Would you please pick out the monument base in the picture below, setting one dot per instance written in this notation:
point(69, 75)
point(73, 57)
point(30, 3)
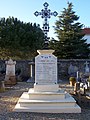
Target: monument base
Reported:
point(45, 87)
point(10, 80)
point(47, 102)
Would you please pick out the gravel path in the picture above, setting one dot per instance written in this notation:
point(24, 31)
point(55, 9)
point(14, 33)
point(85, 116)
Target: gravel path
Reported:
point(9, 98)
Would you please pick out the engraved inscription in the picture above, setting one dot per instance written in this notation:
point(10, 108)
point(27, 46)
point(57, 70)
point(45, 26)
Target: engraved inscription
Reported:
point(46, 69)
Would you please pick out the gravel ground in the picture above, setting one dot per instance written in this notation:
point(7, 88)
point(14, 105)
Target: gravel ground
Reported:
point(9, 98)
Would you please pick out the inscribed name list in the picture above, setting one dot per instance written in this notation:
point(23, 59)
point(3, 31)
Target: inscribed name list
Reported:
point(45, 69)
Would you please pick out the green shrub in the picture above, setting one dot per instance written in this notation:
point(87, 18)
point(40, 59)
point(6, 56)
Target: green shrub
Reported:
point(72, 79)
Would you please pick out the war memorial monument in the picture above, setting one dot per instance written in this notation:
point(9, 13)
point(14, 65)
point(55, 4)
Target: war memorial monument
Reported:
point(46, 96)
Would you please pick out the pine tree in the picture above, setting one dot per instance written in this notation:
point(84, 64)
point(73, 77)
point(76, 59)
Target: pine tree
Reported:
point(71, 44)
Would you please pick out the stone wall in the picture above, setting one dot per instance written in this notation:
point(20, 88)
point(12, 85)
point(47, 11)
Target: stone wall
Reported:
point(64, 70)
point(22, 68)
point(77, 65)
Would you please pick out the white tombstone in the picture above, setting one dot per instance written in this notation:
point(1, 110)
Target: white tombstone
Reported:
point(10, 72)
point(10, 67)
point(45, 71)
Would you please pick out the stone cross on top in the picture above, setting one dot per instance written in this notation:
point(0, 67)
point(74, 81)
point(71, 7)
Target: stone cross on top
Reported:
point(46, 13)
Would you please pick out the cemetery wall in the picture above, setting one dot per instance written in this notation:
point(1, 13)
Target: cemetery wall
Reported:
point(66, 67)
point(65, 70)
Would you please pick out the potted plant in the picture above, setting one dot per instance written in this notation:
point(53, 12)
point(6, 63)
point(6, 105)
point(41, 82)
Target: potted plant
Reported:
point(72, 81)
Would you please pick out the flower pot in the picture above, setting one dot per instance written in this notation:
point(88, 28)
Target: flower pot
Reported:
point(72, 83)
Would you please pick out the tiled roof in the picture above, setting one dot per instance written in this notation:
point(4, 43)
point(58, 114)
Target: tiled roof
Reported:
point(86, 31)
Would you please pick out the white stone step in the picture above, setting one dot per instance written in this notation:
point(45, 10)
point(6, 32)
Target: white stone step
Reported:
point(75, 109)
point(24, 101)
point(46, 95)
point(67, 105)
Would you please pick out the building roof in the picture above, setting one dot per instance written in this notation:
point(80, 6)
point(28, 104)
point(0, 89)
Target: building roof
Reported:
point(86, 31)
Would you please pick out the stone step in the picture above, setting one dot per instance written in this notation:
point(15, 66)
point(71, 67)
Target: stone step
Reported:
point(67, 105)
point(24, 101)
point(46, 95)
point(69, 109)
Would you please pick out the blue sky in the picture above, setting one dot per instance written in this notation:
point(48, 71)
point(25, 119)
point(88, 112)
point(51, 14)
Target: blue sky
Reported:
point(24, 10)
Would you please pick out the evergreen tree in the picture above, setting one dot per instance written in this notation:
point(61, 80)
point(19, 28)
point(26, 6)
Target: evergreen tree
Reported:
point(71, 44)
point(19, 40)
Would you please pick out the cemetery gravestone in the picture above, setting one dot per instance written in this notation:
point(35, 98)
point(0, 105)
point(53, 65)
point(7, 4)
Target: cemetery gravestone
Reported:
point(72, 70)
point(10, 72)
point(45, 71)
point(86, 67)
point(46, 96)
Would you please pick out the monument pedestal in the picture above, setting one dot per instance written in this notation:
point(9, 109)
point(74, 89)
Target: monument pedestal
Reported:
point(45, 87)
point(46, 96)
point(47, 102)
point(10, 80)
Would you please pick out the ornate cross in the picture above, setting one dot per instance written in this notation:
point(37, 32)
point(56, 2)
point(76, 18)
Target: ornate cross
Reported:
point(46, 13)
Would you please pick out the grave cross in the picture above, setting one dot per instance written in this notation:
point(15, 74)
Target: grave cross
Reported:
point(46, 13)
